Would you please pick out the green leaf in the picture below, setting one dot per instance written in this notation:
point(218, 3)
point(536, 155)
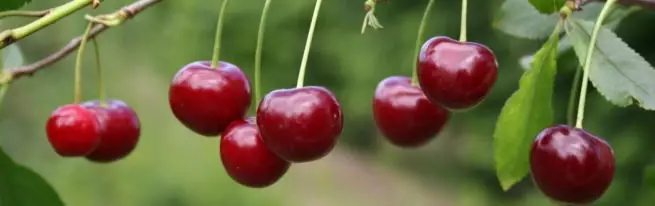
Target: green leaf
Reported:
point(12, 4)
point(12, 56)
point(649, 177)
point(547, 6)
point(519, 18)
point(591, 11)
point(527, 112)
point(619, 73)
point(20, 186)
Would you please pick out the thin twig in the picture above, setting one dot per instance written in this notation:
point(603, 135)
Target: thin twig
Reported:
point(128, 11)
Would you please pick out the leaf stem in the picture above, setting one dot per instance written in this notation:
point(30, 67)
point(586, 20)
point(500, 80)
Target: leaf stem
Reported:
point(102, 91)
point(588, 58)
point(78, 65)
point(10, 36)
point(308, 45)
point(258, 51)
point(462, 33)
point(419, 40)
point(219, 33)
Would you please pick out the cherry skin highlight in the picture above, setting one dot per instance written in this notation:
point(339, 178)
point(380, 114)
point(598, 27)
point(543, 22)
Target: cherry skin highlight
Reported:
point(207, 99)
point(246, 158)
point(120, 130)
point(301, 124)
point(570, 165)
point(404, 114)
point(456, 75)
point(73, 130)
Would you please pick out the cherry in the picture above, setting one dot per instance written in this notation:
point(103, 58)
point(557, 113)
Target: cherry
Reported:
point(570, 165)
point(404, 114)
point(247, 159)
point(207, 99)
point(301, 124)
point(456, 75)
point(120, 130)
point(73, 130)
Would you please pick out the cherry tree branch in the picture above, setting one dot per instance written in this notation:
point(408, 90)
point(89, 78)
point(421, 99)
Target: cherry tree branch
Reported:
point(10, 36)
point(19, 13)
point(643, 3)
point(123, 14)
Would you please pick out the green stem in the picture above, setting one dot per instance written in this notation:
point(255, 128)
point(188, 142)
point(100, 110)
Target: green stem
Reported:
point(78, 65)
point(419, 40)
point(588, 58)
point(54, 15)
point(19, 13)
point(258, 51)
point(574, 89)
point(308, 45)
point(219, 33)
point(462, 33)
point(102, 91)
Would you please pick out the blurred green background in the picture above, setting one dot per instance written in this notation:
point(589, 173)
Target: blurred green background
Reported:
point(174, 167)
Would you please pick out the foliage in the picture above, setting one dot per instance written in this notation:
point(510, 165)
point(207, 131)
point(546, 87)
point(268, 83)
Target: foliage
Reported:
point(526, 113)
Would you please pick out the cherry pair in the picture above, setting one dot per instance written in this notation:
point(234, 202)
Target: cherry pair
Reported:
point(100, 131)
point(291, 125)
point(452, 75)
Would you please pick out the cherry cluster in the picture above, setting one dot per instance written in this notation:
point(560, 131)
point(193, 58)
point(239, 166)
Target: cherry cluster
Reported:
point(100, 130)
point(291, 125)
point(452, 75)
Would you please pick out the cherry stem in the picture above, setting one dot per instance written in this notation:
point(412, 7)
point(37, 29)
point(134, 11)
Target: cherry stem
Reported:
point(419, 40)
point(258, 51)
point(308, 45)
point(78, 65)
point(574, 89)
point(102, 91)
point(219, 33)
point(587, 65)
point(462, 33)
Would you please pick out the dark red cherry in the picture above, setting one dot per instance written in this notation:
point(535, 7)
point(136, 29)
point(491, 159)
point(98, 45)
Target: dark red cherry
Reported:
point(120, 130)
point(456, 75)
point(570, 165)
point(246, 158)
point(404, 114)
point(207, 99)
point(73, 130)
point(302, 124)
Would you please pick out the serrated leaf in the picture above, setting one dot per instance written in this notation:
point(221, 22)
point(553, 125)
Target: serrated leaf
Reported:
point(519, 18)
point(12, 57)
point(619, 73)
point(12, 4)
point(20, 186)
point(527, 112)
point(591, 11)
point(547, 6)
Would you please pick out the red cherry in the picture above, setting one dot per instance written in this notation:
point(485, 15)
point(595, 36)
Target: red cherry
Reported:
point(570, 165)
point(302, 124)
point(404, 114)
point(206, 99)
point(120, 130)
point(73, 130)
point(456, 75)
point(247, 159)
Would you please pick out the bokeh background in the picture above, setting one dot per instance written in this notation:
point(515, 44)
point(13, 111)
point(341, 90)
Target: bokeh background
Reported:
point(174, 167)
